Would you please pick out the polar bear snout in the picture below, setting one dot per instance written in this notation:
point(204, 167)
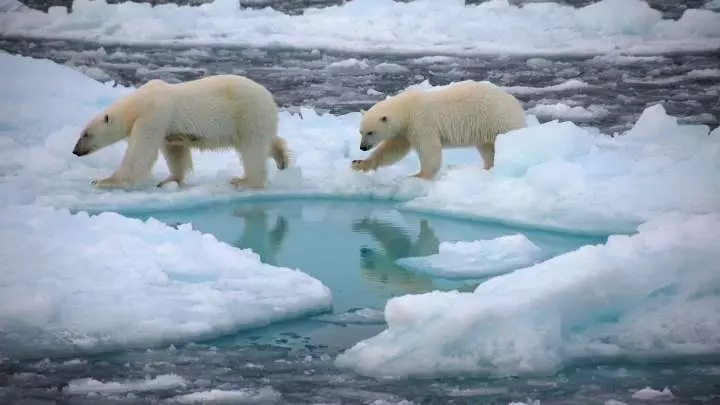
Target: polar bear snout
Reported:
point(81, 149)
point(364, 146)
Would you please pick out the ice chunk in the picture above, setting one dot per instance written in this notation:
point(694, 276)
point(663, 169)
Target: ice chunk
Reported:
point(565, 112)
point(90, 385)
point(382, 26)
point(263, 395)
point(649, 394)
point(649, 295)
point(477, 259)
point(390, 68)
point(704, 73)
point(79, 284)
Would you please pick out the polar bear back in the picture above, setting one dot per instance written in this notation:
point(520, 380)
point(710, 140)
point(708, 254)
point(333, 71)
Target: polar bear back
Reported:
point(218, 111)
point(465, 114)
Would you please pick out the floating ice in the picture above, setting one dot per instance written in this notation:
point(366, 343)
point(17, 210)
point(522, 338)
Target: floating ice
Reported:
point(383, 25)
point(649, 394)
point(650, 295)
point(477, 259)
point(704, 73)
point(565, 112)
point(77, 284)
point(85, 386)
point(247, 396)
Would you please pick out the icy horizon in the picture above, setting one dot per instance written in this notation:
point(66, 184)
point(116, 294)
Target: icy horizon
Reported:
point(419, 27)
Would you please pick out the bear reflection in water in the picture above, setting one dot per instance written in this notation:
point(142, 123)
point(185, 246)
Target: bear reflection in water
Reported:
point(379, 266)
point(260, 238)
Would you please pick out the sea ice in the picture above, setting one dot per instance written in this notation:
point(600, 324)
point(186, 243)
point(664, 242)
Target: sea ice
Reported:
point(477, 259)
point(649, 295)
point(383, 25)
point(650, 394)
point(78, 283)
point(563, 111)
point(85, 386)
point(247, 396)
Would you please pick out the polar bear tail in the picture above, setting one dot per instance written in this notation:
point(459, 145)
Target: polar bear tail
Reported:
point(280, 153)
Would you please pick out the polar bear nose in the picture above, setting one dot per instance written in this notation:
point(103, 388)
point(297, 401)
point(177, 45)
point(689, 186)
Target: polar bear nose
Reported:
point(364, 147)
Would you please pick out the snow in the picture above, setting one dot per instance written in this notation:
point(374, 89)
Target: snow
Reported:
point(421, 27)
point(477, 259)
point(78, 283)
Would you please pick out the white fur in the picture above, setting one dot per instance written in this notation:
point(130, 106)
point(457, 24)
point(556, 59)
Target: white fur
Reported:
point(460, 115)
point(212, 113)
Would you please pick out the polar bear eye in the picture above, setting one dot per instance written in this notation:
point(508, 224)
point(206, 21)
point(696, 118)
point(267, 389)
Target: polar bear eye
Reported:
point(383, 119)
point(369, 133)
point(107, 118)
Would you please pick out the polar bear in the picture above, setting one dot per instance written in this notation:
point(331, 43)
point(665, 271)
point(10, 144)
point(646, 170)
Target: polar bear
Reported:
point(463, 114)
point(211, 113)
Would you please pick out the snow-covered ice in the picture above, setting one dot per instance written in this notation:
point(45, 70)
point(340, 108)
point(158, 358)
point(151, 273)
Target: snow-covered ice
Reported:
point(653, 294)
point(79, 284)
point(383, 25)
point(650, 293)
point(477, 259)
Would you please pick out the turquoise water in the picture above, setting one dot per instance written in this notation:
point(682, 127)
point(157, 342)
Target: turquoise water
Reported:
point(352, 247)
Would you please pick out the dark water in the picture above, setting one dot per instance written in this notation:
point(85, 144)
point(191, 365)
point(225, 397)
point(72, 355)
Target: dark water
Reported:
point(352, 247)
point(621, 91)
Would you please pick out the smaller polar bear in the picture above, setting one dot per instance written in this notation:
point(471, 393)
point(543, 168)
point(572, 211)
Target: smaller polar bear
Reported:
point(211, 113)
point(463, 114)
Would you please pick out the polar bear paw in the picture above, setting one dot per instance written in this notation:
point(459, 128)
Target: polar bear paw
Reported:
point(243, 182)
point(109, 183)
point(362, 165)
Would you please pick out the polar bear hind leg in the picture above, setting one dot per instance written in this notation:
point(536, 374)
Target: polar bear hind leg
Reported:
point(254, 154)
point(280, 153)
point(487, 152)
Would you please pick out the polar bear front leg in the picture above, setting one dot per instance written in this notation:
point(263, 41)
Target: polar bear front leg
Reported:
point(430, 155)
point(141, 154)
point(179, 162)
point(388, 153)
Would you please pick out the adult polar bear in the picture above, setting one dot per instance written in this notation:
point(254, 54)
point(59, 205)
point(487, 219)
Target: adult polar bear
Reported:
point(462, 114)
point(211, 113)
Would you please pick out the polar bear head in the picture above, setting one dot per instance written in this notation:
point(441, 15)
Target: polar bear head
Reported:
point(385, 120)
point(103, 130)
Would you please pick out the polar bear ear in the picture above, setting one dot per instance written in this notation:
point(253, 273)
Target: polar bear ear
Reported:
point(383, 118)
